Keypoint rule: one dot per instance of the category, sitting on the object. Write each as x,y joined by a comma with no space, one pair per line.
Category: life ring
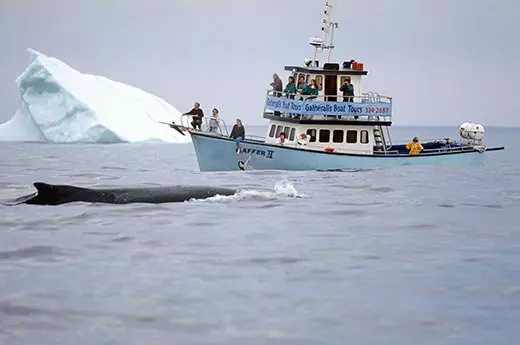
329,149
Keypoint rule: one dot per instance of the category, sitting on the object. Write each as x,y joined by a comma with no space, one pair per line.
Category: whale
49,194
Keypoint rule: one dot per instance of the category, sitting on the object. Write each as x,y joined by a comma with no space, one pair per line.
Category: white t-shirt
279,142
305,141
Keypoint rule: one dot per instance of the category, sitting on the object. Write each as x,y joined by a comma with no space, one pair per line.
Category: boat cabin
330,120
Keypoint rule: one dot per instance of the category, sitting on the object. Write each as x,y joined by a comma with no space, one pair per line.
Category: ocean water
408,255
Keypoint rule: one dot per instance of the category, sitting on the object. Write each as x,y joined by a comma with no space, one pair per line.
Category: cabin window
319,82
286,131
278,131
337,136
312,133
272,131
324,135
351,137
291,136
363,137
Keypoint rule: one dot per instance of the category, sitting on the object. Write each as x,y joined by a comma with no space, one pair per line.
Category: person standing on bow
238,133
213,122
198,114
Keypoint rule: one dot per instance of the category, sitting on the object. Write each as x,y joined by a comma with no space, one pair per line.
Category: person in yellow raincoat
414,146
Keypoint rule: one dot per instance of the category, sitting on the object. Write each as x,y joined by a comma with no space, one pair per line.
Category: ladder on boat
381,142
379,139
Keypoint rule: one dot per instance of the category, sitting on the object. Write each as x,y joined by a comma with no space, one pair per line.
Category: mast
320,43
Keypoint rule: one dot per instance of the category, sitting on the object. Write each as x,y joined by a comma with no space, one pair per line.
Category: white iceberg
58,104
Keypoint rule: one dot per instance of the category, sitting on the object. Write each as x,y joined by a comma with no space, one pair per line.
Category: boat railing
367,106
209,124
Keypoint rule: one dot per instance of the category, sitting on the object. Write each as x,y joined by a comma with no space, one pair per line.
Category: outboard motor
471,133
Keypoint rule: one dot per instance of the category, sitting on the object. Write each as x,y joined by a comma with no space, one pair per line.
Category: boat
326,129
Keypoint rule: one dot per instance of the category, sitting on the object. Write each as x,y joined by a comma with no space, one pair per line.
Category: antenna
320,43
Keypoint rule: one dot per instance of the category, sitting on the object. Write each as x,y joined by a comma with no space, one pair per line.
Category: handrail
205,127
365,97
367,105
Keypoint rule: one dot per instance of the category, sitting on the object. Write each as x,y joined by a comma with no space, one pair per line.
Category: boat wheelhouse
325,127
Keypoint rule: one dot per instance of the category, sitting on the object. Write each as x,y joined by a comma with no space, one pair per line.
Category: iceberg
59,104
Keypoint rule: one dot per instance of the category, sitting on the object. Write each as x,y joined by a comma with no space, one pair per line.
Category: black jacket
238,132
196,113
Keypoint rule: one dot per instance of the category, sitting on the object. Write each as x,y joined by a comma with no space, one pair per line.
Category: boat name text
264,153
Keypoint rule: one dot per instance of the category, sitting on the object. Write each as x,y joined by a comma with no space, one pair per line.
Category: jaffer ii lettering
263,153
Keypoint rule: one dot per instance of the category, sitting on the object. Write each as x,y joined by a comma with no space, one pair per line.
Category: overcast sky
443,61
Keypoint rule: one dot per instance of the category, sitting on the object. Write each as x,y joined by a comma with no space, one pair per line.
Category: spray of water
282,189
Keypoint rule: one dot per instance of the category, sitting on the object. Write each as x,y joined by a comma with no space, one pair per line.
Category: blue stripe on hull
218,154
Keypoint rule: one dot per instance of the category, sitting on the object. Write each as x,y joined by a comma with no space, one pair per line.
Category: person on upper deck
213,122
277,85
238,133
348,91
198,114
302,86
290,88
414,146
311,90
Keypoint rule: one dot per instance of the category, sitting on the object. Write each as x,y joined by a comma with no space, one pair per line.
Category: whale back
48,194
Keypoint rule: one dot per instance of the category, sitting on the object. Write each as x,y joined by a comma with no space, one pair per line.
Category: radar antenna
320,43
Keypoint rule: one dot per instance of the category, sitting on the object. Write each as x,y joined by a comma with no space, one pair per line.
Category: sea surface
405,255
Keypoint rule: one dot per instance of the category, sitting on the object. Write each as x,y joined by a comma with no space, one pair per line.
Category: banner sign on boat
314,107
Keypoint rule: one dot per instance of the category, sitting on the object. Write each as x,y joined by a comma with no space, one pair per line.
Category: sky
444,62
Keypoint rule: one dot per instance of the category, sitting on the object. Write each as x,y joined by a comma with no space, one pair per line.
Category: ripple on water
37,253
122,239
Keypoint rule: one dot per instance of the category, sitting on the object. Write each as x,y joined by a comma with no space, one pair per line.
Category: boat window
286,131
319,82
337,136
363,137
312,133
291,136
324,135
273,129
351,137
278,131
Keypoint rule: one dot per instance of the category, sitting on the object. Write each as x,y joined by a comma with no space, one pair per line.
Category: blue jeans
237,141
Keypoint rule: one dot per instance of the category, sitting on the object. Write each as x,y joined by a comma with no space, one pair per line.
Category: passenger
213,122
277,89
238,133
348,91
312,90
198,114
303,139
282,139
290,88
302,85
414,146
277,85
